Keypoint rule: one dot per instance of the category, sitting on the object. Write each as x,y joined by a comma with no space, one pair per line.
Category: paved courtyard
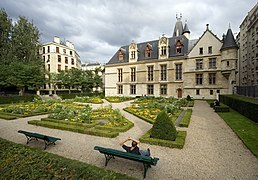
211,151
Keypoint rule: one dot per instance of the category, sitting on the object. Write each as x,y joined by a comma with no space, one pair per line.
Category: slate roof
229,41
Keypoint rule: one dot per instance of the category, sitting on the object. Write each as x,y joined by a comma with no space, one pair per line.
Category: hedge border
178,143
186,119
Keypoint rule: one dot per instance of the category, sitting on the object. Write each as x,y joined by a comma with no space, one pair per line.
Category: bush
163,128
186,119
16,99
188,98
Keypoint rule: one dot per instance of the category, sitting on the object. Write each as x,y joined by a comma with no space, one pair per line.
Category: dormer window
179,47
163,50
120,56
133,55
148,50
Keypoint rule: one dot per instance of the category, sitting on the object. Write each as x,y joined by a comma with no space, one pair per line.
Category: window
71,53
199,64
150,89
120,75
198,79
59,58
133,55
179,47
211,92
48,67
218,91
163,72
210,49
48,49
72,61
150,73
66,67
66,60
163,89
133,89
64,51
133,74
197,91
59,67
178,71
57,49
227,63
44,58
120,56
212,78
212,63
48,58
148,51
44,50
163,50
120,89
201,51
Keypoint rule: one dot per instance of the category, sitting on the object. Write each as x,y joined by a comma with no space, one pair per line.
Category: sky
98,28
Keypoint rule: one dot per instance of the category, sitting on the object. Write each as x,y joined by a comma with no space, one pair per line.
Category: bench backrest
39,136
126,155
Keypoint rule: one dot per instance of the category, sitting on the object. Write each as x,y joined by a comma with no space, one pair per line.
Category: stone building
174,66
59,56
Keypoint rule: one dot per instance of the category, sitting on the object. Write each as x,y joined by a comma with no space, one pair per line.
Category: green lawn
18,161
246,129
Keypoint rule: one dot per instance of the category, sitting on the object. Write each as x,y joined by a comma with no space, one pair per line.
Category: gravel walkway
212,150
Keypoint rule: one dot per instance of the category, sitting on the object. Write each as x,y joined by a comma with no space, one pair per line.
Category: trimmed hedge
117,129
139,116
186,119
14,116
72,96
245,106
18,161
221,108
16,99
74,128
69,122
7,117
178,143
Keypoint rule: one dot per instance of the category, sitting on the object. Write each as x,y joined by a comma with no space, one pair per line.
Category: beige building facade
174,66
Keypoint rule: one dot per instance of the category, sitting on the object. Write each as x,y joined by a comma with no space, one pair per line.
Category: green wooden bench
35,136
111,153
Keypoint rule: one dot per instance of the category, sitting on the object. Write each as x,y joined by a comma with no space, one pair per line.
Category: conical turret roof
229,41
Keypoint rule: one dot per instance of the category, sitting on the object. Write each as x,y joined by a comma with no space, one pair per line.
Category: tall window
210,49
163,72
59,67
44,51
150,89
198,79
197,91
59,58
132,54
48,67
57,49
179,47
120,89
178,71
72,61
71,53
120,56
66,60
150,73
148,51
212,63
212,78
48,58
133,89
66,67
48,49
64,51
199,64
163,89
133,74
163,50
120,75
200,50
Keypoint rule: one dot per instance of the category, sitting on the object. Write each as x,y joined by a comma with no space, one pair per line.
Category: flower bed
117,99
87,99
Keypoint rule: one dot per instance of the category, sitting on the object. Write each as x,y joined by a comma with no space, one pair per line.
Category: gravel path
212,150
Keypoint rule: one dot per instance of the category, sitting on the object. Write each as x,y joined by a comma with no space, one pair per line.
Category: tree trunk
21,91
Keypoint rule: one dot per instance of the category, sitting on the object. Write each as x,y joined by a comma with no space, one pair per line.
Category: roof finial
229,26
178,18
207,26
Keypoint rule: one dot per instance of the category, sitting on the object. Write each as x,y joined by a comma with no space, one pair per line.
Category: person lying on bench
134,148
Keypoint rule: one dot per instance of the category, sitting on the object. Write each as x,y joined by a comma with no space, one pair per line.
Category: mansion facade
174,66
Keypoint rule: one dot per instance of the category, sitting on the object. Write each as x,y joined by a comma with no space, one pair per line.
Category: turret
186,31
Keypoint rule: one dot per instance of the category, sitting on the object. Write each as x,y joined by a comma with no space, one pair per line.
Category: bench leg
47,143
30,139
146,166
108,157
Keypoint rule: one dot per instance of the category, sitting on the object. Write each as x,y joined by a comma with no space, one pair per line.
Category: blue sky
97,28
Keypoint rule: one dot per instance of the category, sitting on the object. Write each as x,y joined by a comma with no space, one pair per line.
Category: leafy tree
163,127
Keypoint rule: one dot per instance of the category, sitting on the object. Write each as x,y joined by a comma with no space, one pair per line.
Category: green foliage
245,129
71,96
245,106
16,99
163,128
118,99
18,161
188,98
186,119
178,143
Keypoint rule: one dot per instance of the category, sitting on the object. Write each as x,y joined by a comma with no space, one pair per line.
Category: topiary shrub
188,98
163,128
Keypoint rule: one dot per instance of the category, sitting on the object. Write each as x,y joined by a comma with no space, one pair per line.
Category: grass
18,161
245,129
178,143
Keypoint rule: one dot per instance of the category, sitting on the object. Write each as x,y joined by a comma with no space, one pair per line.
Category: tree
163,127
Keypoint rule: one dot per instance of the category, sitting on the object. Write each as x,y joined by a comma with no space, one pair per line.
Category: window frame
199,79
150,71
178,71
163,72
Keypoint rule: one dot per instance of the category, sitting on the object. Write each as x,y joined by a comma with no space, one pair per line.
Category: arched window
120,55
148,51
179,47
